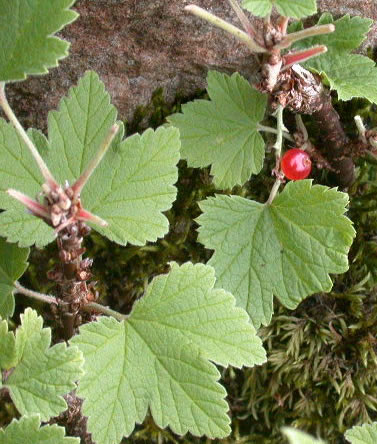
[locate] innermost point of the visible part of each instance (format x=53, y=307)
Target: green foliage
x=349, y=34
x=158, y=358
x=77, y=128
x=287, y=248
x=297, y=437
x=365, y=434
x=8, y=357
x=351, y=75
x=307, y=361
x=19, y=171
x=40, y=375
x=223, y=132
x=133, y=183
x=26, y=34
x=130, y=188
x=287, y=8
x=28, y=430
x=12, y=266
x=140, y=187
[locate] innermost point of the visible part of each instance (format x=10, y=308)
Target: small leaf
x=287, y=8
x=297, y=437
x=158, y=358
x=223, y=132
x=42, y=374
x=28, y=430
x=12, y=266
x=365, y=434
x=26, y=34
x=351, y=75
x=287, y=248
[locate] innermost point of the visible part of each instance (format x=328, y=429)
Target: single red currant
x=296, y=164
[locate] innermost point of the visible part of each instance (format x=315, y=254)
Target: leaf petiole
x=91, y=307
x=278, y=147
x=302, y=56
x=268, y=129
x=304, y=34
x=32, y=205
x=361, y=129
x=34, y=294
x=13, y=119
x=242, y=17
x=222, y=24
x=105, y=145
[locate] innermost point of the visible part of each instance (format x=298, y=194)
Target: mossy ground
x=321, y=374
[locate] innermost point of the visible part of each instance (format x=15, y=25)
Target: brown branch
x=335, y=141
x=302, y=92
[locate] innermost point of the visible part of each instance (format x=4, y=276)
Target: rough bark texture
x=333, y=136
x=137, y=46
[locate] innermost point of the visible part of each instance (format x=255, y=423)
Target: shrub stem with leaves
x=163, y=356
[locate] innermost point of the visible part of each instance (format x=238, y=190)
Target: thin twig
x=220, y=23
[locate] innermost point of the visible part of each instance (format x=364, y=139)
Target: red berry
x=296, y=164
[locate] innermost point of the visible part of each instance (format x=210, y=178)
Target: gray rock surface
x=137, y=46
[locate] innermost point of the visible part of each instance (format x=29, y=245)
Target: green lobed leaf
x=287, y=8
x=26, y=34
x=133, y=185
x=223, y=132
x=12, y=266
x=286, y=249
x=297, y=437
x=8, y=356
x=18, y=170
x=365, y=434
x=77, y=129
x=130, y=189
x=351, y=75
x=28, y=430
x=134, y=182
x=350, y=32
x=158, y=358
x=41, y=374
